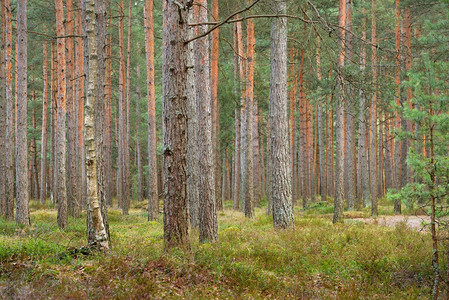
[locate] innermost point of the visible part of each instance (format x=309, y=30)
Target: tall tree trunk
x=74, y=205
x=236, y=171
x=350, y=114
x=409, y=95
x=121, y=180
x=339, y=168
x=243, y=117
x=207, y=202
x=174, y=62
x=127, y=157
x=302, y=163
x=96, y=221
x=44, y=128
x=293, y=123
x=9, y=137
x=153, y=200
x=398, y=171
x=373, y=117
x=227, y=194
x=388, y=159
x=380, y=148
x=108, y=122
x=2, y=115
x=262, y=158
x=256, y=151
x=321, y=145
x=237, y=156
x=241, y=60
x=249, y=111
x=281, y=186
x=138, y=154
x=269, y=172
x=100, y=13
x=80, y=81
x=192, y=133
x=33, y=153
x=22, y=182
x=215, y=105
x=362, y=145
x=54, y=118
x=60, y=135
x=330, y=151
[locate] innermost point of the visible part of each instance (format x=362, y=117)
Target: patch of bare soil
x=418, y=223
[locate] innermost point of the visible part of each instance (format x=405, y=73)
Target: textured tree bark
x=97, y=225
x=249, y=111
x=174, y=62
x=388, y=153
x=380, y=153
x=34, y=177
x=339, y=124
x=54, y=118
x=398, y=170
x=108, y=122
x=192, y=133
x=262, y=156
x=207, y=202
x=60, y=135
x=138, y=151
x=22, y=181
x=2, y=115
x=153, y=200
x=100, y=13
x=215, y=35
x=309, y=147
x=73, y=201
x=409, y=95
x=302, y=164
x=293, y=123
x=227, y=193
x=80, y=65
x=269, y=172
x=44, y=127
x=373, y=115
x=236, y=172
x=323, y=183
x=237, y=147
x=330, y=151
x=256, y=152
x=315, y=170
x=243, y=131
x=362, y=145
x=350, y=114
x=9, y=136
x=281, y=186
x=121, y=179
x=127, y=157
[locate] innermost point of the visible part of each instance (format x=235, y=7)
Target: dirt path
x=413, y=222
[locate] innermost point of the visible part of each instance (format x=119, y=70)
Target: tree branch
x=223, y=22
x=254, y=17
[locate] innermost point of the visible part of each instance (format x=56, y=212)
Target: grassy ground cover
x=315, y=260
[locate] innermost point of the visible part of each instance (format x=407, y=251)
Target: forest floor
x=418, y=223
x=361, y=258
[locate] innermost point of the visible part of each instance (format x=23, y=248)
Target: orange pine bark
x=60, y=137
x=294, y=82
x=215, y=105
x=153, y=201
x=249, y=187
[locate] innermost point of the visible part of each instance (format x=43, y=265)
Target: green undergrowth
x=315, y=260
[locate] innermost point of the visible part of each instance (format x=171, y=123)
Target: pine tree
x=22, y=180
x=281, y=187
x=174, y=58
